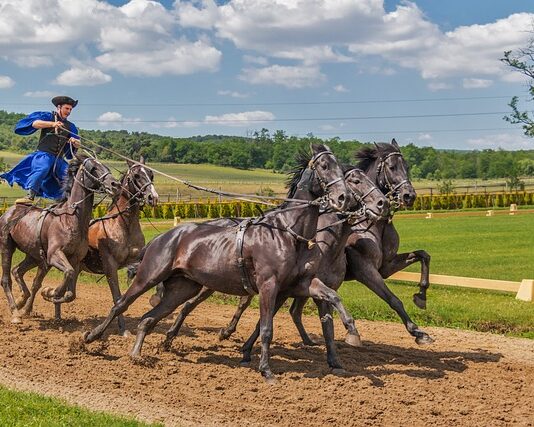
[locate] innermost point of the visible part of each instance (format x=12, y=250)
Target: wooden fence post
x=526, y=290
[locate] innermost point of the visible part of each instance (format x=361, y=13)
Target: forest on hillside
x=276, y=150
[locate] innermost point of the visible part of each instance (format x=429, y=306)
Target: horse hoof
x=339, y=371
x=85, y=337
x=419, y=301
x=270, y=378
x=424, y=338
x=244, y=363
x=154, y=300
x=353, y=340
x=223, y=335
x=310, y=342
x=126, y=334
x=16, y=320
x=47, y=293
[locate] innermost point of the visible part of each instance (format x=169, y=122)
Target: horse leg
x=268, y=296
x=110, y=268
x=7, y=249
x=327, y=323
x=18, y=273
x=36, y=285
x=401, y=261
x=244, y=302
x=177, y=290
x=249, y=343
x=371, y=278
x=318, y=290
x=143, y=281
x=296, y=314
x=188, y=307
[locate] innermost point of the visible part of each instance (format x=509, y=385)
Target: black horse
x=269, y=255
x=371, y=255
x=331, y=238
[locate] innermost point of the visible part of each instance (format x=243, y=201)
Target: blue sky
x=425, y=72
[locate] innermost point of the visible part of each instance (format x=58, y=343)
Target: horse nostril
x=341, y=199
x=380, y=203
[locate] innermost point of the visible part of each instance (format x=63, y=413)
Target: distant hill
x=276, y=151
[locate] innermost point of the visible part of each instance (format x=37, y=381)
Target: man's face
x=64, y=110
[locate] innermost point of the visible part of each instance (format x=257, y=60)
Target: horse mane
x=302, y=159
x=72, y=170
x=367, y=155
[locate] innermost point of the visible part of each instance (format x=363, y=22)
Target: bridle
x=98, y=179
x=392, y=190
x=362, y=211
x=138, y=195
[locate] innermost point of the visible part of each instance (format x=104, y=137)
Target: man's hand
x=75, y=142
x=57, y=125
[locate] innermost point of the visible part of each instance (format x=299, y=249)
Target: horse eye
x=357, y=181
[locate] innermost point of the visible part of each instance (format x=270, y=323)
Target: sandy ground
x=464, y=378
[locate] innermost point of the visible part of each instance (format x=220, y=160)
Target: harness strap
x=240, y=240
x=40, y=222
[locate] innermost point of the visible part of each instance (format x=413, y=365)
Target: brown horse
x=268, y=256
x=52, y=237
x=116, y=239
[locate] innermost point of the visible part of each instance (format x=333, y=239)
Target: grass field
x=19, y=409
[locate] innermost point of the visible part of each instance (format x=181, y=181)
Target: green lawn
x=32, y=410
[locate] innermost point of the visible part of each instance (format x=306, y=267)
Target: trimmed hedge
x=425, y=202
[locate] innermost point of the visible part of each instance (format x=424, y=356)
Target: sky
x=424, y=72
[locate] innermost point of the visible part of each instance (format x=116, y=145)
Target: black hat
x=60, y=100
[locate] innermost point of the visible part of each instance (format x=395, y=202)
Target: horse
x=371, y=251
x=332, y=235
x=267, y=256
x=372, y=255
x=116, y=239
x=52, y=237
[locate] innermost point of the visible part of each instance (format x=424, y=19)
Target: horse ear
x=142, y=159
x=376, y=145
x=130, y=163
x=394, y=143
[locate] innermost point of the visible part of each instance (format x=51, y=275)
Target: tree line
x=276, y=151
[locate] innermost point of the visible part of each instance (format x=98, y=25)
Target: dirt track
x=463, y=379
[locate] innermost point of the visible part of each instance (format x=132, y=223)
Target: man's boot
x=28, y=199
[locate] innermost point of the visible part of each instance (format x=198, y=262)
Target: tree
x=522, y=61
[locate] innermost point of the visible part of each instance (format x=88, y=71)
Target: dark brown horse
x=331, y=238
x=371, y=255
x=53, y=237
x=270, y=255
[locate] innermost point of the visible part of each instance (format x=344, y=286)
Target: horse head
x=321, y=175
x=367, y=198
x=385, y=165
x=140, y=183
x=94, y=176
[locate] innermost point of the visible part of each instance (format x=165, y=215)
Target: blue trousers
x=41, y=172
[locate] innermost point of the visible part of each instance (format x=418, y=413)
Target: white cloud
x=240, y=119
x=40, y=94
x=190, y=16
x=435, y=86
x=86, y=76
x=256, y=60
x=6, y=82
x=424, y=137
x=505, y=141
x=477, y=83
x=181, y=57
x=340, y=88
x=232, y=94
x=112, y=119
x=293, y=77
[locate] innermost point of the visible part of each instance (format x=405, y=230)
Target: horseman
x=41, y=172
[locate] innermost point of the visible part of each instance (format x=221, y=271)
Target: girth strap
x=240, y=239
x=40, y=222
